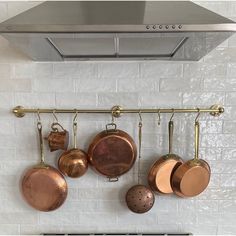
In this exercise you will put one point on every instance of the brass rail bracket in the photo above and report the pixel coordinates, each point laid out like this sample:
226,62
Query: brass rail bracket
116,111
217,107
18,111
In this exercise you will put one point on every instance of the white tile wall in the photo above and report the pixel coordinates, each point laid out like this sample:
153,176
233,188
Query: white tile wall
94,205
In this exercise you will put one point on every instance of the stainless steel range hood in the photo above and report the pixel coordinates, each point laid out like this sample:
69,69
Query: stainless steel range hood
89,30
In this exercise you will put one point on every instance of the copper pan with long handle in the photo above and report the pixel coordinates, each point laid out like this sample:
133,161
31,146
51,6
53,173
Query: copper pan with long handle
159,176
192,177
43,187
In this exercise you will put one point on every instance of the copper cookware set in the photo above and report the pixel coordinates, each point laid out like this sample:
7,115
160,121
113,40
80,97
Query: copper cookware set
111,153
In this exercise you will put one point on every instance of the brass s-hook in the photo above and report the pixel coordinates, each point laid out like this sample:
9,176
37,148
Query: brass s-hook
198,114
173,113
159,117
54,115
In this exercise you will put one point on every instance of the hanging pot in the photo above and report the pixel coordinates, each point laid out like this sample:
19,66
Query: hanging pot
112,152
192,177
43,187
58,137
74,162
159,176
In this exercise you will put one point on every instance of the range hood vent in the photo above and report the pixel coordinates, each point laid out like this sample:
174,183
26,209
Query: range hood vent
116,30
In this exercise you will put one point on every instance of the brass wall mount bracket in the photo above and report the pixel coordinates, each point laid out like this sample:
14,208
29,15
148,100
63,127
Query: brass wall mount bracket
117,111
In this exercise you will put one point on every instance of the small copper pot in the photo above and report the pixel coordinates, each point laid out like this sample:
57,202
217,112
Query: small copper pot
58,139
74,162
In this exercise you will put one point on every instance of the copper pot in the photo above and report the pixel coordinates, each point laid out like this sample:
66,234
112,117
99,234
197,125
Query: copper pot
159,176
43,187
192,177
112,152
58,139
74,162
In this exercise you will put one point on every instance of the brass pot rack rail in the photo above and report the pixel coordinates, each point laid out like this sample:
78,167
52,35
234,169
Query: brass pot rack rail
117,111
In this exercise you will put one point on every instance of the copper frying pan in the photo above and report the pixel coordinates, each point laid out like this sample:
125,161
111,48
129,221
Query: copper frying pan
112,152
43,187
192,177
159,177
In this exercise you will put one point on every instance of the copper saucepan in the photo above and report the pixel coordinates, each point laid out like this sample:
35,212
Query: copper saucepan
159,177
192,177
112,152
43,187
74,162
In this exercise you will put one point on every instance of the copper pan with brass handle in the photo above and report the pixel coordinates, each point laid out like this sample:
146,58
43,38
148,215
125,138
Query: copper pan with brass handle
192,178
159,176
43,186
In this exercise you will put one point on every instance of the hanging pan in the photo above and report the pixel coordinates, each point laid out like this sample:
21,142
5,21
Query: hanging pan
192,177
74,162
43,187
112,152
159,177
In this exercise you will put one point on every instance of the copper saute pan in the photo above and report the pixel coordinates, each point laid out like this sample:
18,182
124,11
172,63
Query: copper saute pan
192,177
159,176
112,152
43,187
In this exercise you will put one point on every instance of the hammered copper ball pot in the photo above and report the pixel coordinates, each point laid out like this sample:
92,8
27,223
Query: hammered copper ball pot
73,163
140,199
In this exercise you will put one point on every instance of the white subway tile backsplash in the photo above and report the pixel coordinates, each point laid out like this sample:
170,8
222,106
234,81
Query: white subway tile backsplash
6,69
94,204
160,70
118,70
159,99
14,85
183,84
206,99
219,84
199,69
95,85
75,100
53,85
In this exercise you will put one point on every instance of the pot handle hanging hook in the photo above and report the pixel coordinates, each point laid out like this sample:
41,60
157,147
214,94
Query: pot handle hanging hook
159,117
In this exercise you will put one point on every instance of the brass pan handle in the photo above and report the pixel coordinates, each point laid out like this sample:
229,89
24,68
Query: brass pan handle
39,126
171,131
197,131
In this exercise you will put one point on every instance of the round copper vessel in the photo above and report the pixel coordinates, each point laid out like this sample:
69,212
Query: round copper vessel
112,152
192,177
140,199
74,162
43,187
159,176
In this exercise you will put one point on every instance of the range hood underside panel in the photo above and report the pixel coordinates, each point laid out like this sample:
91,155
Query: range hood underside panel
122,46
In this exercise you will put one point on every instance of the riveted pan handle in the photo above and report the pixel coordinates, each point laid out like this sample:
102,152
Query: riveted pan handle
171,130
42,158
197,128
